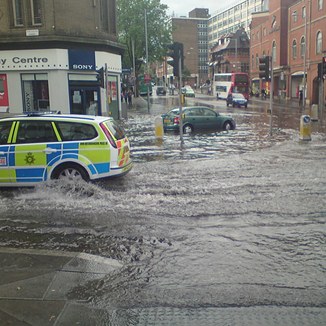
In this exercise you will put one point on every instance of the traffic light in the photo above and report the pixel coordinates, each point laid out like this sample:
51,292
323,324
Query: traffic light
176,52
264,68
100,77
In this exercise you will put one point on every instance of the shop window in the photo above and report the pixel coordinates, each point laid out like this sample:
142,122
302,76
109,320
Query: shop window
17,6
319,43
35,92
36,12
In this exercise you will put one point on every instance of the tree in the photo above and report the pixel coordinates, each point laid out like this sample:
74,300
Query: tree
131,28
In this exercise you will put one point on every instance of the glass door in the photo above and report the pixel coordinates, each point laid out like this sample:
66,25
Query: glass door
84,100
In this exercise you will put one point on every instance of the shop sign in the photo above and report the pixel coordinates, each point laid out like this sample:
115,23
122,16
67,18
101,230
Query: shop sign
33,59
81,60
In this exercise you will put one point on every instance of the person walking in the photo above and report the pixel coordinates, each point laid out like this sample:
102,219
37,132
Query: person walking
129,95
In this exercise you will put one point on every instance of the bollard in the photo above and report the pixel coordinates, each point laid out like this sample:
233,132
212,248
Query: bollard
159,127
314,112
305,127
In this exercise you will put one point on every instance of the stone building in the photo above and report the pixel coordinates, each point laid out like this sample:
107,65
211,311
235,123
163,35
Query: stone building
50,52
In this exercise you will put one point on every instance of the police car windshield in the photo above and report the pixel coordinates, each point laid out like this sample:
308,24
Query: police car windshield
115,129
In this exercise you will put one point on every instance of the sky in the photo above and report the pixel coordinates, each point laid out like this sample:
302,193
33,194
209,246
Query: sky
182,7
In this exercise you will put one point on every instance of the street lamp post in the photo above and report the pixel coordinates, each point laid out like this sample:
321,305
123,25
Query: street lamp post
304,64
147,63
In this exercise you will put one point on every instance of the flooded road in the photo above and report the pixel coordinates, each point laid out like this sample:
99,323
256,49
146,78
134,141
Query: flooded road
231,219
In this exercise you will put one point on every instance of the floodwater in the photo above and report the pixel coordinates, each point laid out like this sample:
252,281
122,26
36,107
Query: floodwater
232,219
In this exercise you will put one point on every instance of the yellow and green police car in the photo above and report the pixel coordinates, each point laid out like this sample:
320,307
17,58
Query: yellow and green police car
37,147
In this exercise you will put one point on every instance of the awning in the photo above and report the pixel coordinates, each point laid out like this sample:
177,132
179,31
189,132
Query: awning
298,73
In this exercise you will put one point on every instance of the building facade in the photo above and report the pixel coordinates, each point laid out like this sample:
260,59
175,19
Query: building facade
306,47
192,33
230,54
229,20
292,32
50,52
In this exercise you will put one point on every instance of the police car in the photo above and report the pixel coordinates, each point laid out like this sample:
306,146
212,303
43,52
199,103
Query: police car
37,147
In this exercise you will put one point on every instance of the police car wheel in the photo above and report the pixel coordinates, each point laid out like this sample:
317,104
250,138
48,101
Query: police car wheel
70,172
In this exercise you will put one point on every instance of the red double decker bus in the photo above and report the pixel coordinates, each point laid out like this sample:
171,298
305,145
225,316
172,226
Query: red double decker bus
227,83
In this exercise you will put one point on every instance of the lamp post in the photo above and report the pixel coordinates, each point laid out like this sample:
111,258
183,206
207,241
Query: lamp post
304,64
147,66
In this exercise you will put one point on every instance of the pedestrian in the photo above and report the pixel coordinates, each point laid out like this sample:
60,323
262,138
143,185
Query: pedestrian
129,95
125,95
300,97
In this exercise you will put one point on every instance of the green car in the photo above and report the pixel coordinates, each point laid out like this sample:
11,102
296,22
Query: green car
196,118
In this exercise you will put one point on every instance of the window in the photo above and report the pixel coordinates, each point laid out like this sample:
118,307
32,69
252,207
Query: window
36,12
4,132
294,49
18,12
302,47
35,92
320,4
303,12
274,51
104,15
76,131
295,16
319,43
35,132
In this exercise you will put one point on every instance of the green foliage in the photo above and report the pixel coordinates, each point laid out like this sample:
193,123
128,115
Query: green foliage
131,27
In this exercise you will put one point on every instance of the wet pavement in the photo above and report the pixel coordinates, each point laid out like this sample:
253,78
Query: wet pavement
36,288
229,230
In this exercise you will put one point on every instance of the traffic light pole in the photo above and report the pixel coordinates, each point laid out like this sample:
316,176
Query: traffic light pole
180,97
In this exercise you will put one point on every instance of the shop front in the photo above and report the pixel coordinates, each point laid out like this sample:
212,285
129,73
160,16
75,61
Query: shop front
59,80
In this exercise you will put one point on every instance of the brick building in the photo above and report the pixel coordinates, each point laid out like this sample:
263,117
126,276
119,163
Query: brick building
307,28
292,32
192,33
231,53
49,54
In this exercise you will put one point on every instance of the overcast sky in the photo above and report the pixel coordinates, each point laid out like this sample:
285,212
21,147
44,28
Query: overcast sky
182,7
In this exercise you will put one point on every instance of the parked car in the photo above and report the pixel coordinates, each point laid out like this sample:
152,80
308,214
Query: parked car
188,91
197,118
37,147
236,99
160,90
